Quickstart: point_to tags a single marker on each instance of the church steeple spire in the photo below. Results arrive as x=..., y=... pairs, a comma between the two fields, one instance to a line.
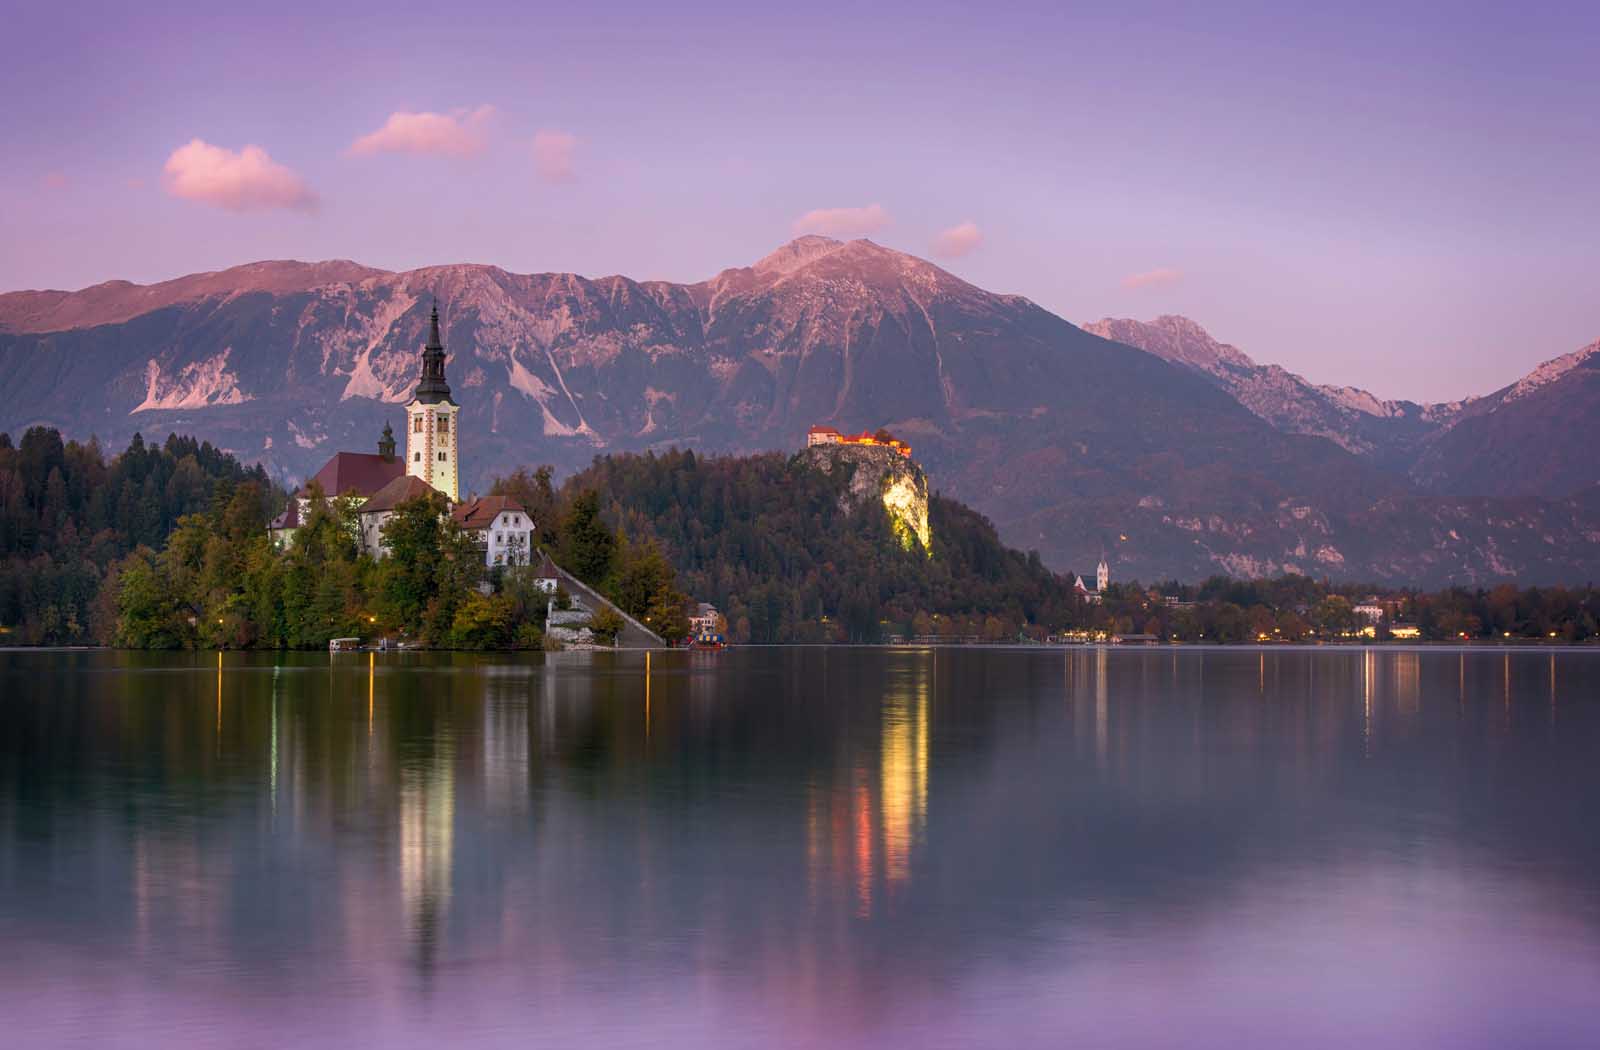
x=432, y=387
x=433, y=420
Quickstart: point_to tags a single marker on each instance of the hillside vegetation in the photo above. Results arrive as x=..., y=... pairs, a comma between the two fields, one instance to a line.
x=774, y=543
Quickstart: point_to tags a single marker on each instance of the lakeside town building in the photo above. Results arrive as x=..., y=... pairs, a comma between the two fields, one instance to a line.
x=1102, y=580
x=377, y=484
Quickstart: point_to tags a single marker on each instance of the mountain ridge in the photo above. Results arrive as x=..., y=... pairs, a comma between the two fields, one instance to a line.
x=1070, y=442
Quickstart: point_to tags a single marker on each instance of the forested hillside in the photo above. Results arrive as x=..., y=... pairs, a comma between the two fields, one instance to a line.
x=768, y=540
x=67, y=515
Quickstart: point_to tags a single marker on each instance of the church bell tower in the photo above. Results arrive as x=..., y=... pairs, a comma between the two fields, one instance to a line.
x=432, y=421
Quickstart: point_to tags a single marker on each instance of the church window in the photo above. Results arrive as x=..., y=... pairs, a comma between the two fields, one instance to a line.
x=416, y=424
x=444, y=424
x=416, y=457
x=441, y=457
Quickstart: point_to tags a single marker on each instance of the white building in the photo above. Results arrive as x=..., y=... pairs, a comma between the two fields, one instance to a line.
x=500, y=527
x=706, y=620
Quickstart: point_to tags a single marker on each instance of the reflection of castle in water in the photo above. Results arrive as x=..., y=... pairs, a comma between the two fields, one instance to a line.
x=856, y=840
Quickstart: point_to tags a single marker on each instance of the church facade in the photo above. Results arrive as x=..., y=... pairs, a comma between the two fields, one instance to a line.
x=378, y=484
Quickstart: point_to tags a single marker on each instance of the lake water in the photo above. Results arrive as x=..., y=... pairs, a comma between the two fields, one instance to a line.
x=802, y=848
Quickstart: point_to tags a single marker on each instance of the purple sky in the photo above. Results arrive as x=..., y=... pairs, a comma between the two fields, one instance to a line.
x=1404, y=199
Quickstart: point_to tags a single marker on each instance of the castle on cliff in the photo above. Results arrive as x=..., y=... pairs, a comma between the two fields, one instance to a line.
x=820, y=435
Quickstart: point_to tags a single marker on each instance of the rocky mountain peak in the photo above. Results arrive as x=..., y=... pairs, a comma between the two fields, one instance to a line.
x=796, y=254
x=1174, y=338
x=1554, y=369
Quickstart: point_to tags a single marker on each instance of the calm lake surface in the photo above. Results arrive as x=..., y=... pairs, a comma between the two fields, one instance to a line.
x=802, y=847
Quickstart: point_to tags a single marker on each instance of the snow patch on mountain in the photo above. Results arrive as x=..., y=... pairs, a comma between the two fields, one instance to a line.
x=364, y=382
x=198, y=384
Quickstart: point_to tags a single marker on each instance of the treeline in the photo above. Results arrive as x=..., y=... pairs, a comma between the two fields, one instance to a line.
x=219, y=582
x=764, y=538
x=166, y=547
x=1299, y=609
x=68, y=516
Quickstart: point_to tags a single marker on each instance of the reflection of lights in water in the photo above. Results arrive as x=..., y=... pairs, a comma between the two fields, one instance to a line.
x=1408, y=682
x=647, y=695
x=372, y=673
x=427, y=827
x=1507, y=679
x=815, y=841
x=219, y=697
x=1366, y=703
x=272, y=787
x=1101, y=714
x=904, y=774
x=863, y=842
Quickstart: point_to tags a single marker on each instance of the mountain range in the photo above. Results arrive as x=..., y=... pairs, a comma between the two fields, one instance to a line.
x=1170, y=453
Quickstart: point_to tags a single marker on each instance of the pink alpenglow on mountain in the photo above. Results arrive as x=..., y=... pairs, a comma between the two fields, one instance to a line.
x=1176, y=453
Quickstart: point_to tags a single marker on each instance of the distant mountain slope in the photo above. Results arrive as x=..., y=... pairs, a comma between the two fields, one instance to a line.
x=1071, y=443
x=1388, y=432
x=1536, y=437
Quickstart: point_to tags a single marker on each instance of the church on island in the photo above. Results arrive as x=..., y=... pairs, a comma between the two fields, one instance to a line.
x=378, y=484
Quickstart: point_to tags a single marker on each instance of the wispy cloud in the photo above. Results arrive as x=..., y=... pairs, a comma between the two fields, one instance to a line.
x=242, y=180
x=459, y=133
x=843, y=222
x=552, y=154
x=1161, y=275
x=958, y=240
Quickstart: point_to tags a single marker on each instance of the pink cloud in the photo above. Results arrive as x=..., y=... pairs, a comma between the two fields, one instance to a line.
x=843, y=222
x=552, y=154
x=243, y=180
x=957, y=241
x=56, y=181
x=1162, y=275
x=459, y=133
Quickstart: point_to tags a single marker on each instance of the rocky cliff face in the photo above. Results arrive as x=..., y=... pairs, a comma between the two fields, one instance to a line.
x=881, y=476
x=1070, y=442
x=1385, y=431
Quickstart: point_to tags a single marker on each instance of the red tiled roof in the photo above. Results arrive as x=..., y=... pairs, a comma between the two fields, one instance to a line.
x=406, y=487
x=822, y=430
x=356, y=473
x=289, y=519
x=480, y=513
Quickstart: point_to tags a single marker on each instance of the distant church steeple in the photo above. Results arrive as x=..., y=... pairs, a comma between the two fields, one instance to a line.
x=386, y=443
x=433, y=421
x=1102, y=575
x=432, y=387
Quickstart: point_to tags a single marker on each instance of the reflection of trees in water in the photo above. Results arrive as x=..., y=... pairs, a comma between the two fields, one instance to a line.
x=841, y=821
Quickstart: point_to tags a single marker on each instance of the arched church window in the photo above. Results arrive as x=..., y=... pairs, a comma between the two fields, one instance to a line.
x=416, y=424
x=416, y=457
x=441, y=457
